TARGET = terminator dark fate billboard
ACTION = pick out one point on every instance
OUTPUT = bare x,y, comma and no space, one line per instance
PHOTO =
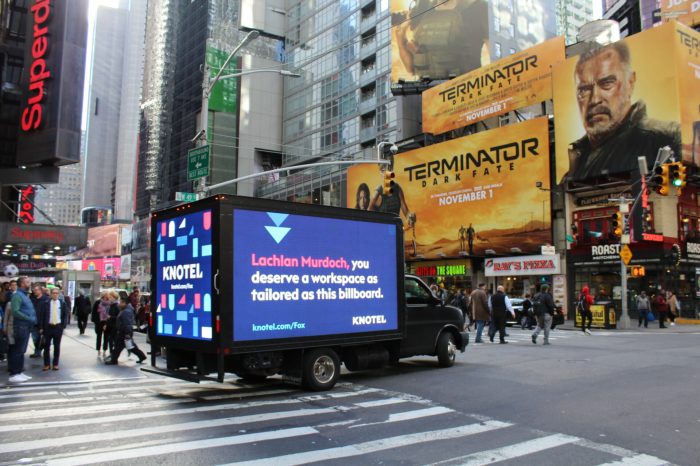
301,276
466,196
184,276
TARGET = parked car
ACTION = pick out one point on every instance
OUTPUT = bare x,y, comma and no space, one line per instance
517,304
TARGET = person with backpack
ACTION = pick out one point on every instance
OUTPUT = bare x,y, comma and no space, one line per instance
543,308
583,307
527,317
643,309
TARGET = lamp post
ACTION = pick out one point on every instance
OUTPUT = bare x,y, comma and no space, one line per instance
207,85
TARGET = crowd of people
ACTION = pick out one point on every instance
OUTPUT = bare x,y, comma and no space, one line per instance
41,314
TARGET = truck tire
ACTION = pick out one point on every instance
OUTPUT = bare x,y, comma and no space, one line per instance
446,349
320,369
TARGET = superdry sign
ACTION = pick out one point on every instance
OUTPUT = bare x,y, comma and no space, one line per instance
523,265
39,74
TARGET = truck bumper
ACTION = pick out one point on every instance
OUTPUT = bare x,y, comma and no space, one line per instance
464,337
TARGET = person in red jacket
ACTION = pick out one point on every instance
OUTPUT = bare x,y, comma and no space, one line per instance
584,308
661,308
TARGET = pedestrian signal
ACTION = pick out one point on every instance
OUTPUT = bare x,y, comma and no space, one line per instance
616,223
638,271
388,186
660,180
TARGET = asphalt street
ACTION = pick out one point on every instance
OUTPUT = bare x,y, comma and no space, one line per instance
615,397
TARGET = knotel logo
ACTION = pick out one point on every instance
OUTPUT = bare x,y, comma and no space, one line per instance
277,232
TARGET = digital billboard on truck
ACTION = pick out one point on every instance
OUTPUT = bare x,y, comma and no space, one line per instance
302,276
183,261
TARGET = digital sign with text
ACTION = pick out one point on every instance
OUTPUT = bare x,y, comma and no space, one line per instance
184,276
301,276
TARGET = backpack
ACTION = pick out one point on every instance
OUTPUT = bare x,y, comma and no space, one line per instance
538,305
582,304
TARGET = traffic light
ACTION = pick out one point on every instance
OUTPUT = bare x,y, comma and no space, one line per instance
388,186
677,175
646,220
638,271
660,180
616,223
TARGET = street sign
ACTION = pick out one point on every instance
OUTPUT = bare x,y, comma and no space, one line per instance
625,254
548,250
197,163
185,197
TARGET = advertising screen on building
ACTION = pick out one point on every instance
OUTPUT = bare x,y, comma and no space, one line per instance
438,40
301,276
184,276
625,100
109,267
516,81
683,11
467,195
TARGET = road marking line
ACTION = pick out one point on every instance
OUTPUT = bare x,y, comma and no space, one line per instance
409,415
372,404
154,430
512,451
170,448
377,445
149,414
638,460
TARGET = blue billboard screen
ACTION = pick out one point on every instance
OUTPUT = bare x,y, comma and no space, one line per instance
300,276
184,276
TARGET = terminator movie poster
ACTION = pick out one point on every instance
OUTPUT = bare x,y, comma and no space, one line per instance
467,195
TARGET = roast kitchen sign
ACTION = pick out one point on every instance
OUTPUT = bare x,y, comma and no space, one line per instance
522,266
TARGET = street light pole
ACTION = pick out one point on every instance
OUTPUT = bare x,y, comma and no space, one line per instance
207,86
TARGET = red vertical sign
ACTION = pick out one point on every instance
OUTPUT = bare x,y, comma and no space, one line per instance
26,204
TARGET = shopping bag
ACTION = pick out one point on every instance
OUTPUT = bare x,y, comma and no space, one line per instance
650,316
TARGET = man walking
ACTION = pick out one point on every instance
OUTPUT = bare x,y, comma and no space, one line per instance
584,308
661,307
125,333
23,319
53,318
479,310
543,307
499,304
82,310
643,309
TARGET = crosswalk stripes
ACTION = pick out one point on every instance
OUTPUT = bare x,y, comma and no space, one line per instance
517,336
178,422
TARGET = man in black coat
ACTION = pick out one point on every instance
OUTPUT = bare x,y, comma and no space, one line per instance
124,333
52,319
499,304
544,308
82,310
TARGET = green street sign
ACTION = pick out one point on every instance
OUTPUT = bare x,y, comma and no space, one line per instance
185,197
197,163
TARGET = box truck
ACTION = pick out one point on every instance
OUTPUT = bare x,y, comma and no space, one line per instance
258,287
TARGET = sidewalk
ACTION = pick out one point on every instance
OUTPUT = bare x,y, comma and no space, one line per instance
682,326
79,361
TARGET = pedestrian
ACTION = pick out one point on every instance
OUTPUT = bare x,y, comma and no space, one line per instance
135,298
661,307
113,312
100,316
38,297
479,309
499,304
23,319
82,310
583,306
526,318
124,335
643,307
53,318
673,307
543,308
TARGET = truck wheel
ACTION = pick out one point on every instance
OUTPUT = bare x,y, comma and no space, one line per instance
321,369
446,349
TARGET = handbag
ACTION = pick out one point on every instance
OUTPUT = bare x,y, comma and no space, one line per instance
650,316
129,343
4,343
